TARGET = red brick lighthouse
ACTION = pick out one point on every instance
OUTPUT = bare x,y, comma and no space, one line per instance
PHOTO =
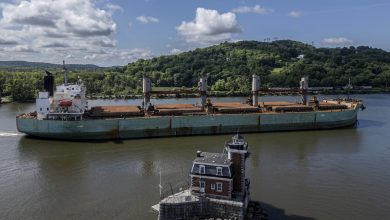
222,175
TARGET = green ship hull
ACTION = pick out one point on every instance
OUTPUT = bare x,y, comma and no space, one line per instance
164,126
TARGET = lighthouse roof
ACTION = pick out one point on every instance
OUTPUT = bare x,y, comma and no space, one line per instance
213,158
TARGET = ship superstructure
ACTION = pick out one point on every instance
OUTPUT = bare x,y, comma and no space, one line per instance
66,102
63,113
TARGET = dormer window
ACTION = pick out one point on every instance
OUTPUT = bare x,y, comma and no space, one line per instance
219,171
202,169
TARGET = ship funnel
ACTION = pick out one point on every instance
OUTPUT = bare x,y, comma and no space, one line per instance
203,90
146,90
48,83
255,89
304,87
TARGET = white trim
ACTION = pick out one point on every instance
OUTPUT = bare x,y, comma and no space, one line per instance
238,151
192,169
212,164
212,177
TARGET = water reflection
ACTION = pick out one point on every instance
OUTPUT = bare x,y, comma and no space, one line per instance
275,213
364,123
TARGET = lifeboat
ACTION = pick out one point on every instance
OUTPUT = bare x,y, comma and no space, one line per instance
65,103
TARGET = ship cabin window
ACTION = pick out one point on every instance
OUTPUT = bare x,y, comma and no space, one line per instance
202,169
213,186
219,187
219,171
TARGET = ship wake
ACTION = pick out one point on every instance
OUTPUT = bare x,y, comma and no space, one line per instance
8,134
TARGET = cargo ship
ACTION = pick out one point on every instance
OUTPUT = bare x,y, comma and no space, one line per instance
63,113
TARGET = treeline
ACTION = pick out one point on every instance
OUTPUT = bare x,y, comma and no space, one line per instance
228,65
279,63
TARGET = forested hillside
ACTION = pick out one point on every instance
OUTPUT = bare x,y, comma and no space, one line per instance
279,63
228,65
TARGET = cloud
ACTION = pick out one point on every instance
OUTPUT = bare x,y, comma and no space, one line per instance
209,27
295,14
56,29
20,48
147,19
105,43
176,51
90,57
4,41
135,54
255,9
337,41
113,8
81,18
56,44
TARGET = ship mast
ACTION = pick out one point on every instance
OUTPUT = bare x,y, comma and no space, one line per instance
349,87
65,72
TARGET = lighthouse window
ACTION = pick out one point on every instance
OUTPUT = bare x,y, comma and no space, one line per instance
219,187
202,169
201,185
219,171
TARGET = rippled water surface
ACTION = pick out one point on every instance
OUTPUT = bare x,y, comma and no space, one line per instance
333,174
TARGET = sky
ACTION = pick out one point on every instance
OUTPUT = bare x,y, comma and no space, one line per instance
116,32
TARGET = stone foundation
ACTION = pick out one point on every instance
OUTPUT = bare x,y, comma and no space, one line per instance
186,206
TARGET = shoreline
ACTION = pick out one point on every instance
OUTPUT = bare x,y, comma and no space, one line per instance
6,100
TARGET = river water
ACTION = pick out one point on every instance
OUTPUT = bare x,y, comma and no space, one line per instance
332,174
